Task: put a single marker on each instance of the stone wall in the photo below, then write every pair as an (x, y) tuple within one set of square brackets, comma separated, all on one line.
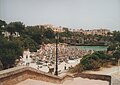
[(15, 75)]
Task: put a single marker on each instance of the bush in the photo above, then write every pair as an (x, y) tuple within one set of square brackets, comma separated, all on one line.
[(116, 54), (78, 68), (9, 52), (102, 55), (96, 60), (90, 62)]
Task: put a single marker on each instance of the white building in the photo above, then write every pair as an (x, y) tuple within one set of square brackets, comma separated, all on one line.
[(7, 34), (26, 57), (54, 28)]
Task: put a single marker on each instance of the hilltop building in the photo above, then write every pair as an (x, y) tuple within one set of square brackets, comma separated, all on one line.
[(100, 31), (54, 28)]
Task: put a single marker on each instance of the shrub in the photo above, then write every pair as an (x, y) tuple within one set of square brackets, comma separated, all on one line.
[(90, 62), (78, 68)]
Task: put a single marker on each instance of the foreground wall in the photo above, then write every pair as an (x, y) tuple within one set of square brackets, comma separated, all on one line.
[(15, 75)]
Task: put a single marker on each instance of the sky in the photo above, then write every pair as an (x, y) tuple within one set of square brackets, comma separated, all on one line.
[(85, 14)]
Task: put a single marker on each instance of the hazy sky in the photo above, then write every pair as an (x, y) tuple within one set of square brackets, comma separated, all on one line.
[(86, 14)]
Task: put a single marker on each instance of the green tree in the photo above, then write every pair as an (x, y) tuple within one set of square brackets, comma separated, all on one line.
[(30, 43), (116, 35), (2, 26), (15, 27), (102, 55), (19, 26), (11, 28), (111, 47), (90, 62), (66, 33), (9, 52), (2, 23), (95, 60), (116, 54), (35, 33), (49, 33)]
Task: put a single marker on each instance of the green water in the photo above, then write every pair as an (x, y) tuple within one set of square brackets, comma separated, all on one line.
[(95, 48)]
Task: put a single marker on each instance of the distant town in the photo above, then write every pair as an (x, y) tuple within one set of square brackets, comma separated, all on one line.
[(97, 31)]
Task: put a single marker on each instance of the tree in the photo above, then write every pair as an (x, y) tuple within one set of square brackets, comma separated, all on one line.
[(9, 52), (11, 28), (15, 27), (66, 33), (2, 26), (2, 23), (90, 62), (116, 54), (49, 33), (95, 60), (116, 35), (102, 55), (35, 33), (111, 47), (29, 43), (19, 26)]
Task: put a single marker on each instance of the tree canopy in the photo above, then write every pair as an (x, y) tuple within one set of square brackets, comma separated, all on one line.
[(9, 52)]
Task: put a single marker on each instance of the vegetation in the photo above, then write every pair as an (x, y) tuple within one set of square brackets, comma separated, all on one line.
[(2, 26), (9, 52), (116, 36), (100, 58), (40, 34), (93, 61), (31, 37)]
